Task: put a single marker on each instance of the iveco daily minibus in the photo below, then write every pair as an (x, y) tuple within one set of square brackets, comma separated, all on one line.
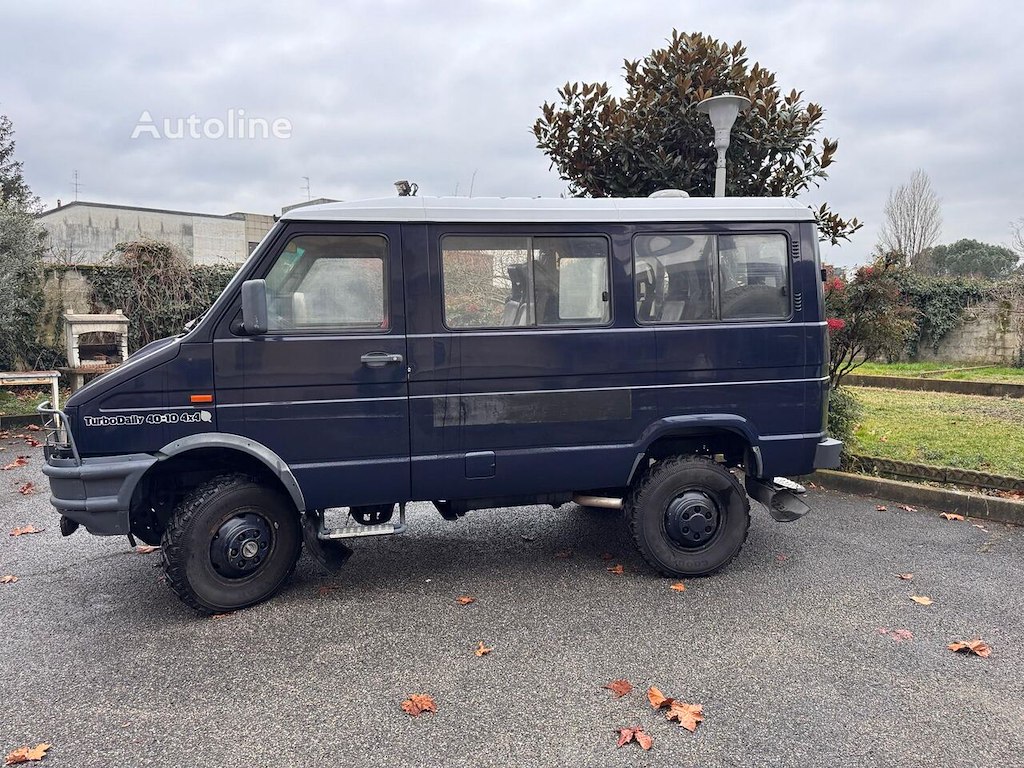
[(666, 356)]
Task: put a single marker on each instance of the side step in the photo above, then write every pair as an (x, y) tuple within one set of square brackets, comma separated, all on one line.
[(354, 531), (326, 544), (782, 504)]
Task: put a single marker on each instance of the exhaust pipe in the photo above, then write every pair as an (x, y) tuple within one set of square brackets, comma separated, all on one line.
[(601, 502)]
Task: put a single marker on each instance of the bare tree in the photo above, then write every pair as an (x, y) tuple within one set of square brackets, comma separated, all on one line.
[(913, 221), (1017, 236)]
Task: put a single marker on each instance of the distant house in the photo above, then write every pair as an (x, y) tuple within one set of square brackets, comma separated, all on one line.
[(84, 233)]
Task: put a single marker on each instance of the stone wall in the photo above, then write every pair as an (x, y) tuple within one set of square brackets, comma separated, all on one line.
[(991, 333)]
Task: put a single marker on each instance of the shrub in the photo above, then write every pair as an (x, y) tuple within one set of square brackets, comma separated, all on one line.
[(868, 317), (844, 411)]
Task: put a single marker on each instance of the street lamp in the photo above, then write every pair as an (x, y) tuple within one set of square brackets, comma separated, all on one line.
[(723, 111)]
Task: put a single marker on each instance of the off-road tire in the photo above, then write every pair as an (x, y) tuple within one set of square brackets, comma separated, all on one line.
[(648, 501), (190, 531)]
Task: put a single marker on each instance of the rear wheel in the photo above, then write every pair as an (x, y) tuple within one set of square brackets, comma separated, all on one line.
[(230, 543), (688, 515)]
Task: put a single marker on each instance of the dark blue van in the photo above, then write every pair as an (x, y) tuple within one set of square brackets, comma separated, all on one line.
[(664, 356)]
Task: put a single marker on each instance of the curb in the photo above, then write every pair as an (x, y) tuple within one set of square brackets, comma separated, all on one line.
[(967, 504), (952, 386), (17, 422)]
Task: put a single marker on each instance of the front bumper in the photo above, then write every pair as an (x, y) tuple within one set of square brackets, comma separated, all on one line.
[(94, 492), (826, 455)]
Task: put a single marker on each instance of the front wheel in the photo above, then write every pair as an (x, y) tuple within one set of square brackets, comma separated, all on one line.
[(230, 543), (688, 515)]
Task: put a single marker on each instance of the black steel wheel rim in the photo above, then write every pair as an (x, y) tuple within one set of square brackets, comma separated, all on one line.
[(692, 519), (241, 546)]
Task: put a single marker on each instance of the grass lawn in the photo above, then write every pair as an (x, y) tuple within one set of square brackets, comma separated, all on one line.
[(965, 431), (22, 401), (991, 373)]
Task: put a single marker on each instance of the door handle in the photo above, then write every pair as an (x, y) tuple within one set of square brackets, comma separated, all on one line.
[(379, 359)]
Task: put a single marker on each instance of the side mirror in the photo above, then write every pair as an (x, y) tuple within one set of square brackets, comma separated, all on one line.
[(254, 307)]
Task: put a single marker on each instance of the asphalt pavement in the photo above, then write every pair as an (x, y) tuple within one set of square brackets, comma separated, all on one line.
[(783, 649)]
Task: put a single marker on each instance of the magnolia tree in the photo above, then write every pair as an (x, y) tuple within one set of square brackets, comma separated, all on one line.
[(654, 138)]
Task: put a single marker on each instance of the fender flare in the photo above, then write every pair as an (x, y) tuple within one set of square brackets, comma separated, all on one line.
[(257, 450), (705, 422)]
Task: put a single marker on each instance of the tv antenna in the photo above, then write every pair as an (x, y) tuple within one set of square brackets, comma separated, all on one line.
[(75, 185), (309, 196)]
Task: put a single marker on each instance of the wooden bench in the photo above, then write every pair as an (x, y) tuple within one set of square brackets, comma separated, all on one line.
[(30, 378)]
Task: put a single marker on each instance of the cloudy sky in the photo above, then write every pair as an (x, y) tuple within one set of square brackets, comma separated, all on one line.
[(444, 92)]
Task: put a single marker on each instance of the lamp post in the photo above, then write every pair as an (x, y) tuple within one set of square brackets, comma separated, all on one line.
[(723, 111)]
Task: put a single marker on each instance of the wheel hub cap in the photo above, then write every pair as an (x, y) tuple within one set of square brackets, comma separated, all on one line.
[(240, 545), (692, 519)]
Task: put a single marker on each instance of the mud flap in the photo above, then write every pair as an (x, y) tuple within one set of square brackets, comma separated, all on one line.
[(331, 554), (782, 505)]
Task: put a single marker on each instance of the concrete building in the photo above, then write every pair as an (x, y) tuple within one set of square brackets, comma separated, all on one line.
[(82, 233)]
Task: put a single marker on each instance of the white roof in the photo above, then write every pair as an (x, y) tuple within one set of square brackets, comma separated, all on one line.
[(552, 209)]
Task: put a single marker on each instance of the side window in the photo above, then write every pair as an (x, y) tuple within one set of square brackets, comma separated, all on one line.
[(498, 281), (674, 278), (329, 281), (754, 272)]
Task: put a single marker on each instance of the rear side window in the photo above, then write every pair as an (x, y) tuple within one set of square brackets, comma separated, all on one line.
[(754, 271), (500, 281), (329, 281), (697, 278)]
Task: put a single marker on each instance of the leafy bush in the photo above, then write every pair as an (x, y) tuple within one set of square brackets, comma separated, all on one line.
[(940, 303), (21, 293), (844, 412), (868, 317), (158, 289)]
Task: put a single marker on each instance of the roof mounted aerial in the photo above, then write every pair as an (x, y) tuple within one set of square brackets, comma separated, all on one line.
[(670, 193), (723, 111)]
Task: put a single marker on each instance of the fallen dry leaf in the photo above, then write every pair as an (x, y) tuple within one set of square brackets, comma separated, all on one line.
[(882, 508), (222, 615), (20, 461), (981, 527), (905, 576), (33, 427), (27, 489), (145, 549), (418, 703), (906, 508), (619, 687), (687, 715), (678, 587), (25, 530), (921, 599), (782, 558), (465, 600), (325, 590), (27, 754), (482, 650), (657, 698), (896, 634), (32, 442), (618, 570), (563, 554), (977, 647), (951, 516), (8, 579), (636, 733)]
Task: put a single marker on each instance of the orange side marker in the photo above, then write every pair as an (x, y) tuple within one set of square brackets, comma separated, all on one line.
[(201, 398)]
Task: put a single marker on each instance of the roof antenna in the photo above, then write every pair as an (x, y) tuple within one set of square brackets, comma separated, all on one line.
[(309, 196), (472, 181)]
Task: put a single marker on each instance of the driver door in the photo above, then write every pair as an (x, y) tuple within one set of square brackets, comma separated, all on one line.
[(326, 387)]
